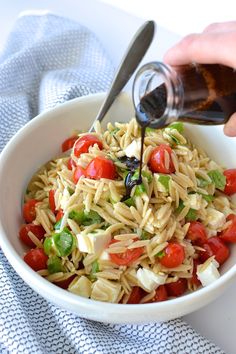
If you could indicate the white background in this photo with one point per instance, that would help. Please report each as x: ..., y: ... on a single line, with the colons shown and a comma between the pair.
x: 115, y: 28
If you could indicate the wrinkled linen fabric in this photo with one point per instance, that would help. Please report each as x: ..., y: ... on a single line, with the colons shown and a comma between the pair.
x: 46, y: 61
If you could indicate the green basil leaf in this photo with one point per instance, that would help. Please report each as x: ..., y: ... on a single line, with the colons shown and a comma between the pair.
x: 180, y: 207
x: 63, y: 242
x: 208, y: 197
x: 192, y: 215
x: 140, y: 189
x: 178, y: 126
x: 201, y: 182
x: 150, y: 130
x: 85, y: 218
x: 48, y: 245
x: 160, y: 254
x: 54, y: 265
x: 164, y: 180
x: 130, y: 202
x: 217, y: 178
x: 57, y: 226
x: 145, y: 235
x: 114, y: 131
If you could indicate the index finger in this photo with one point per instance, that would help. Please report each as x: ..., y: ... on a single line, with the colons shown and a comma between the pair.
x: 204, y: 48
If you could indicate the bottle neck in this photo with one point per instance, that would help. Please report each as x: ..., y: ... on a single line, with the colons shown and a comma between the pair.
x: 157, y: 95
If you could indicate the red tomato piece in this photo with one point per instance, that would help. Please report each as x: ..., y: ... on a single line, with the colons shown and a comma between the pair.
x: 68, y: 143
x: 51, y: 198
x: 127, y: 257
x: 197, y: 233
x: 177, y: 288
x: 78, y: 172
x: 214, y: 247
x: 64, y: 284
x: 70, y: 164
x: 157, y: 160
x: 36, y: 259
x: 160, y: 295
x: 230, y: 187
x: 29, y: 212
x: 59, y: 215
x: 174, y: 255
x: 194, y: 280
x: 37, y: 230
x: 83, y: 144
x: 101, y: 167
x: 136, y: 295
x: 229, y: 235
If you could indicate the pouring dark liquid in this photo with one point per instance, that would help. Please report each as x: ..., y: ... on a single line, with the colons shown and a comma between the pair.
x: 205, y: 94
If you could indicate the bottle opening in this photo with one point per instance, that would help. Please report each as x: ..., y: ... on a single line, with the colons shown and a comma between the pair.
x: 154, y: 95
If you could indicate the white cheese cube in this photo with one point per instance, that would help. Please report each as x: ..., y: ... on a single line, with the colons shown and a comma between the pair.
x: 149, y: 280
x: 94, y: 242
x: 105, y: 256
x: 105, y: 290
x: 133, y: 149
x: 194, y: 201
x: 215, y: 218
x: 207, y: 272
x: 81, y: 286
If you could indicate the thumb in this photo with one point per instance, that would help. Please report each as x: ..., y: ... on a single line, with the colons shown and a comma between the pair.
x: 230, y: 126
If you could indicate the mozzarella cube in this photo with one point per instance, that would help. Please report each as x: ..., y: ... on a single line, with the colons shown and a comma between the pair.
x: 105, y: 256
x: 81, y: 286
x: 133, y: 149
x: 207, y: 272
x: 215, y: 218
x: 194, y: 201
x: 105, y: 290
x: 65, y: 198
x: 94, y: 242
x: 149, y: 280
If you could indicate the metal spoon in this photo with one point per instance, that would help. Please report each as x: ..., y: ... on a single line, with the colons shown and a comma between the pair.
x: 135, y: 53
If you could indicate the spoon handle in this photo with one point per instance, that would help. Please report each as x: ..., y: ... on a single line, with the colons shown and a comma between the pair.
x: 135, y: 53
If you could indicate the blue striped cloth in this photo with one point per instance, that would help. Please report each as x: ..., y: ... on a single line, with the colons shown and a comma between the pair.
x: 48, y: 60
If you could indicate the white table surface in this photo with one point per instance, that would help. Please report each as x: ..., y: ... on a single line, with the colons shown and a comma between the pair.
x: 217, y: 321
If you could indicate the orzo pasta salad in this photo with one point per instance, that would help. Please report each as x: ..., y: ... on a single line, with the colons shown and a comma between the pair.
x: 165, y: 236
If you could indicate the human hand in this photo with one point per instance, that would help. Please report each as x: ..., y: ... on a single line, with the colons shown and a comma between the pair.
x: 215, y: 45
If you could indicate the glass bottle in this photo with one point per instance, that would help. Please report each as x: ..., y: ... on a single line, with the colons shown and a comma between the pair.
x: 200, y: 94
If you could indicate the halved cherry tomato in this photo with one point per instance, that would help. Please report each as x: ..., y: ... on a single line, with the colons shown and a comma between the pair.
x: 174, y: 255
x: 177, y: 288
x: 36, y: 259
x: 100, y: 167
x: 68, y: 143
x: 194, y: 280
x: 214, y: 247
x: 37, y: 230
x: 127, y: 257
x: 197, y: 233
x: 161, y: 294
x: 70, y: 164
x: 78, y: 172
x: 157, y: 160
x: 136, y: 295
x: 64, y: 284
x: 230, y: 187
x: 83, y: 144
x: 29, y: 212
x: 51, y: 198
x: 229, y: 235
x: 59, y: 215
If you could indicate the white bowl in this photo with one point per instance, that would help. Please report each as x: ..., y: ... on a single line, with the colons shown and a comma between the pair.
x: 38, y: 142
